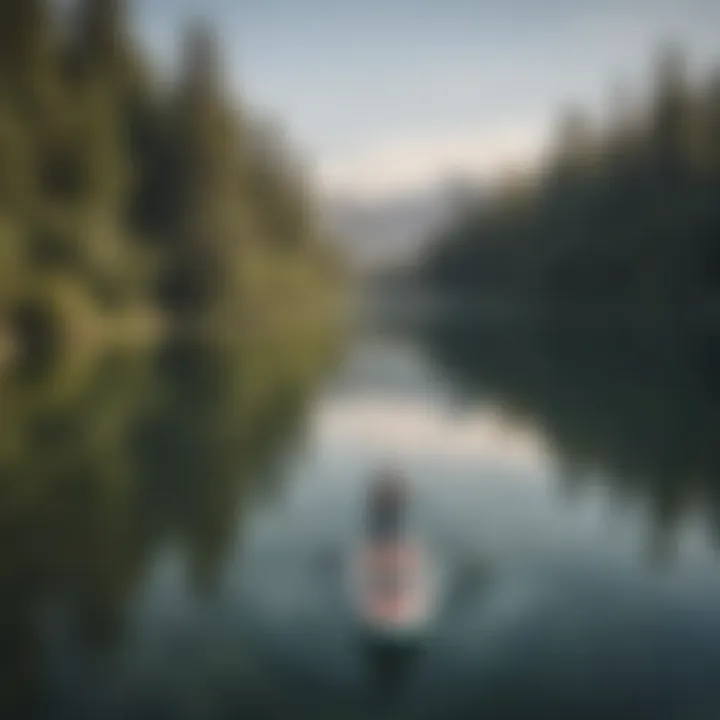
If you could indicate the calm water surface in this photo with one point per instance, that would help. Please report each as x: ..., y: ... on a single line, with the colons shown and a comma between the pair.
x: 201, y: 585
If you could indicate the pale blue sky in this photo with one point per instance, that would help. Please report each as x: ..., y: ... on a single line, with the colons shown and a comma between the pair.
x: 387, y: 95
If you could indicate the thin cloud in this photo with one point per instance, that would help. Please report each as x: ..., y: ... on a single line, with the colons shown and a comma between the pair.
x: 407, y: 164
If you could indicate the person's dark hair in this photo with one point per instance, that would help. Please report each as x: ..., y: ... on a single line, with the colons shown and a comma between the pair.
x: 387, y: 484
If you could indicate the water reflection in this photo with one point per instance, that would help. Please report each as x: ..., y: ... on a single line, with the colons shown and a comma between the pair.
x: 103, y: 467
x: 637, y: 412
x: 390, y: 668
x: 402, y: 427
x: 176, y: 530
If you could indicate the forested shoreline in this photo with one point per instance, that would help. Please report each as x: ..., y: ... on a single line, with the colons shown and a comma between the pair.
x: 624, y: 214
x: 132, y: 204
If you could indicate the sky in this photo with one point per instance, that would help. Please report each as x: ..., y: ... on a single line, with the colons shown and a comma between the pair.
x: 386, y: 97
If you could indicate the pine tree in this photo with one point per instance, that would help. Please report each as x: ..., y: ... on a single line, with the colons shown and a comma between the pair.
x: 713, y: 122
x: 25, y: 49
x: 99, y: 169
x: 672, y: 115
x: 204, y: 184
x: 575, y: 149
x: 100, y: 37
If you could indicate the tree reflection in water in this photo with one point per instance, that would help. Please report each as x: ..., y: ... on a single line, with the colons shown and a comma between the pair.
x: 638, y: 409
x: 100, y: 466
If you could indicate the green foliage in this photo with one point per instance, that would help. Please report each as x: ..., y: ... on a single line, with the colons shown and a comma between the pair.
x: 128, y: 211
x: 143, y: 199
x: 626, y: 217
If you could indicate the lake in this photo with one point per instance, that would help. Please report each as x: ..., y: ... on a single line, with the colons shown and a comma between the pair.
x: 174, y: 528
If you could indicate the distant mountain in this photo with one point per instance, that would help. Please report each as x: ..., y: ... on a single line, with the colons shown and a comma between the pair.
x: 391, y: 232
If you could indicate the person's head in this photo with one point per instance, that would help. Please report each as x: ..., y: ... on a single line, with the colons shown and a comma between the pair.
x: 388, y: 482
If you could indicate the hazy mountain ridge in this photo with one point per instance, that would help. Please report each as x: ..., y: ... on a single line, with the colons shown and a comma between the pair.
x: 393, y: 231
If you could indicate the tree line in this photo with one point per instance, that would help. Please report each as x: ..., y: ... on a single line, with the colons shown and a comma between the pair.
x: 622, y: 213
x: 128, y: 202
